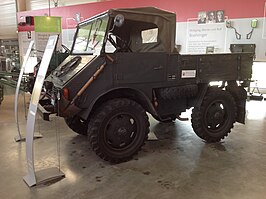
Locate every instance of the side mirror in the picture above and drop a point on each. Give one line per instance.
(254, 23)
(119, 20)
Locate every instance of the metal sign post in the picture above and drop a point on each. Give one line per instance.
(19, 137)
(33, 178)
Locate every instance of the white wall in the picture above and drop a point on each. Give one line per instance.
(8, 24)
(40, 4)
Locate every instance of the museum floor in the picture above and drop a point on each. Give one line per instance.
(177, 165)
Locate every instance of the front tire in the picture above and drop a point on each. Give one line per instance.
(118, 130)
(77, 125)
(214, 119)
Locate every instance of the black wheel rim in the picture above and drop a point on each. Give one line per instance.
(216, 116)
(120, 131)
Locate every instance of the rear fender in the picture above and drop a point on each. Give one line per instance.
(240, 96)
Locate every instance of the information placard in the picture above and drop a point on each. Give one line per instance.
(201, 36)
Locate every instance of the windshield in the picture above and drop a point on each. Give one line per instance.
(90, 36)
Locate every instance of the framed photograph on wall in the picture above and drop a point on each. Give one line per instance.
(211, 16)
(219, 16)
(202, 17)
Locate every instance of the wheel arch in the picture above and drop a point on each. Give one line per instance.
(123, 92)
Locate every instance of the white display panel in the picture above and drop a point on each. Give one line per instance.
(221, 41)
(25, 61)
(30, 178)
(200, 36)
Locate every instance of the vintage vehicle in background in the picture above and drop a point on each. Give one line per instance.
(10, 77)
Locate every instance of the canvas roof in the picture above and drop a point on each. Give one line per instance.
(164, 20)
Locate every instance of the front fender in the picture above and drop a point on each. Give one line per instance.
(122, 92)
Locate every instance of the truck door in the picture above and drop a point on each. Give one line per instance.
(140, 68)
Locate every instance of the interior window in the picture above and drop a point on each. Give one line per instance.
(109, 48)
(149, 35)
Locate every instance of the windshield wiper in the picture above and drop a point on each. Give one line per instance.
(98, 25)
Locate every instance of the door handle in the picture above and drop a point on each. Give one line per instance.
(158, 67)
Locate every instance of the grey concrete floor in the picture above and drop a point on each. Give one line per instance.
(178, 165)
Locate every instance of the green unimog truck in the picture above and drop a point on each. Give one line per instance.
(123, 64)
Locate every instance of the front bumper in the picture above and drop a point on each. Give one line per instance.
(66, 109)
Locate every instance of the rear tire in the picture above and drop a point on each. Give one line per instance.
(118, 130)
(214, 119)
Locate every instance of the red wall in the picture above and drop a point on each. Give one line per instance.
(233, 8)
(183, 8)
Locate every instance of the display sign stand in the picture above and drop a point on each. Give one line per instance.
(34, 178)
(19, 137)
